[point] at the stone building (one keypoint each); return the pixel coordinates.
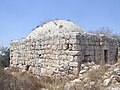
(59, 47)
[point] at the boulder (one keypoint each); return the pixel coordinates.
(92, 83)
(76, 81)
(73, 53)
(44, 89)
(117, 71)
(86, 68)
(69, 86)
(81, 77)
(117, 78)
(82, 71)
(106, 82)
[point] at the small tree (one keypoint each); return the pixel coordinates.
(117, 37)
(108, 32)
(4, 56)
(103, 30)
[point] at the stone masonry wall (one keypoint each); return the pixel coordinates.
(94, 47)
(62, 53)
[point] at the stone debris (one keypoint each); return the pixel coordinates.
(69, 86)
(92, 83)
(117, 78)
(44, 89)
(117, 71)
(82, 71)
(111, 82)
(76, 81)
(106, 82)
(59, 47)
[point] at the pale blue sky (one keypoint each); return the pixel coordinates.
(19, 17)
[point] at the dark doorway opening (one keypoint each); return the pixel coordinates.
(86, 58)
(106, 56)
(27, 67)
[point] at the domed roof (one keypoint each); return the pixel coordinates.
(55, 27)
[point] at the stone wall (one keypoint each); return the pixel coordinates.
(97, 48)
(62, 53)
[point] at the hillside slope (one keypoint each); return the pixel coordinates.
(91, 77)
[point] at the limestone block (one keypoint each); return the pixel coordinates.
(54, 47)
(73, 64)
(82, 71)
(76, 81)
(62, 41)
(39, 61)
(77, 58)
(70, 58)
(65, 46)
(67, 36)
(117, 78)
(75, 70)
(91, 52)
(61, 69)
(73, 53)
(117, 71)
(106, 82)
(57, 42)
(70, 46)
(63, 73)
(94, 38)
(91, 48)
(74, 41)
(39, 52)
(87, 52)
(59, 47)
(75, 35)
(86, 42)
(97, 43)
(91, 42)
(87, 48)
(63, 57)
(76, 47)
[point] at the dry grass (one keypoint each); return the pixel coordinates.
(55, 83)
(97, 74)
(93, 76)
(25, 82)
(12, 79)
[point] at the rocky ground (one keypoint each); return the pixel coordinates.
(96, 77)
(91, 77)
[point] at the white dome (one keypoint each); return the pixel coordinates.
(55, 27)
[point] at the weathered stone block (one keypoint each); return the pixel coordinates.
(73, 64)
(74, 41)
(76, 47)
(73, 53)
(70, 58)
(75, 35)
(77, 58)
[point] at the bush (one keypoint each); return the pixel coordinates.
(4, 56)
